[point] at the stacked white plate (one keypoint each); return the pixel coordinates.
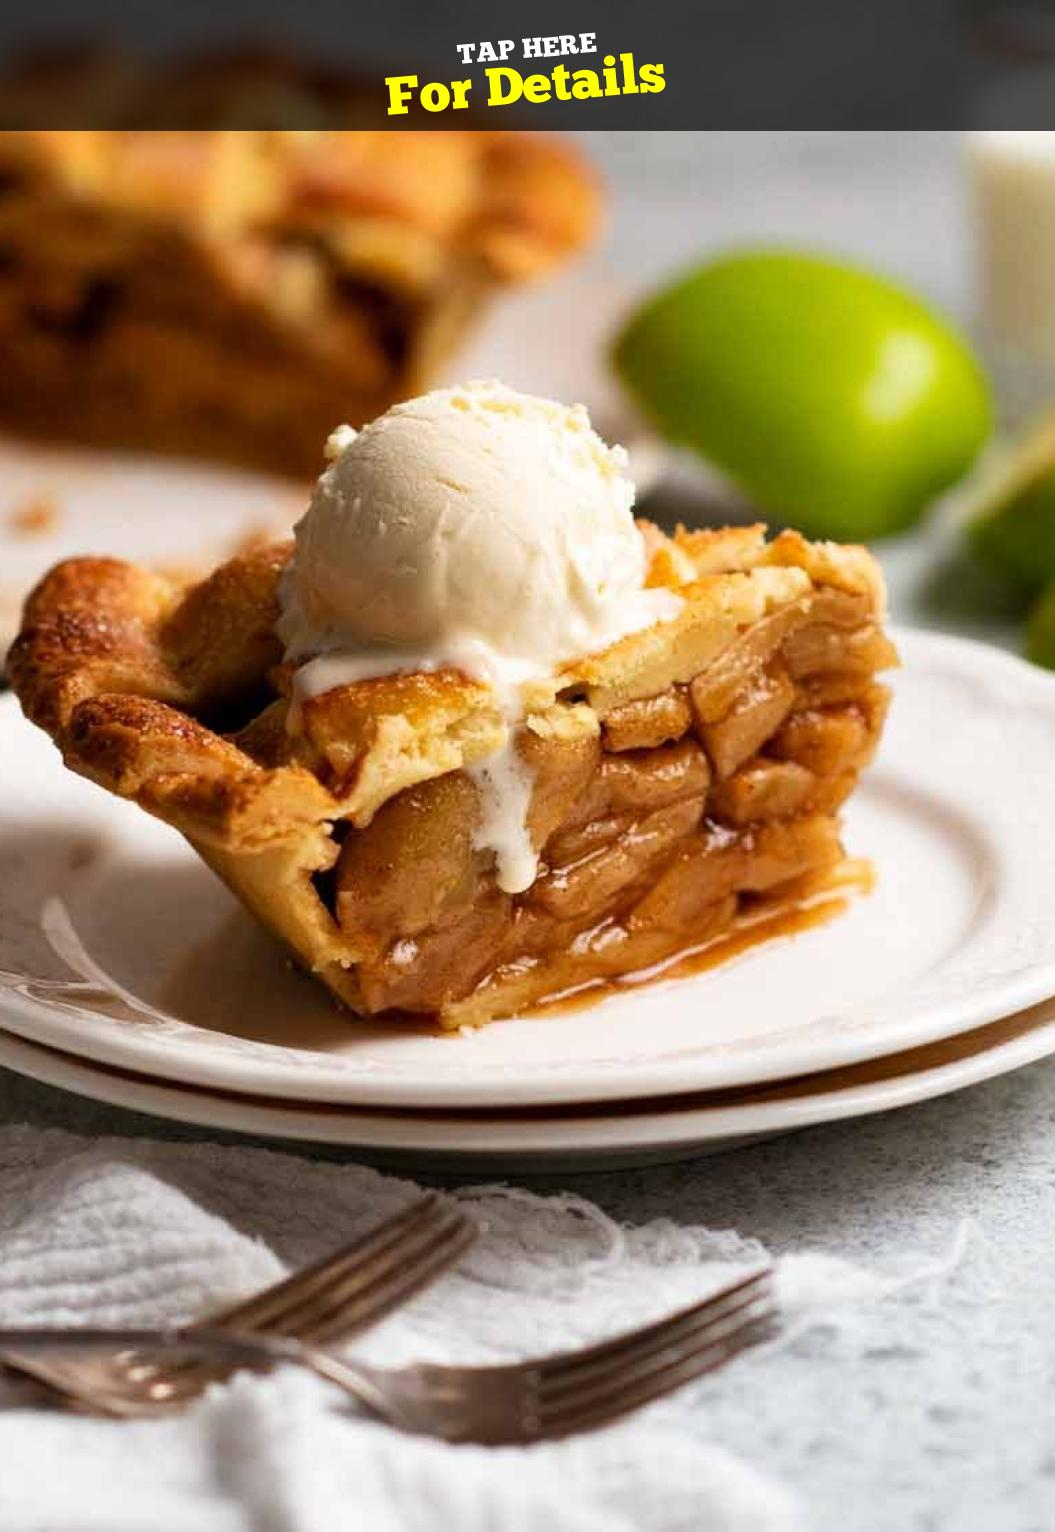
(128, 973)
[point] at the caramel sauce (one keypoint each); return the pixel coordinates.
(198, 990)
(802, 906)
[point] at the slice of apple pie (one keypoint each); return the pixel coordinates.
(669, 779)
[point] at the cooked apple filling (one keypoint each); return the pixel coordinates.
(679, 776)
(651, 832)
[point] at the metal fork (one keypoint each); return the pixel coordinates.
(331, 1300)
(525, 1402)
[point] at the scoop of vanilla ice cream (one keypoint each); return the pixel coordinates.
(474, 527)
(472, 515)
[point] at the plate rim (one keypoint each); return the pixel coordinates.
(682, 1130)
(35, 1021)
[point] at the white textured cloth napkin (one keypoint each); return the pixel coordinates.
(124, 1231)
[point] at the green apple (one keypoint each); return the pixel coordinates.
(1014, 527)
(836, 400)
(1040, 631)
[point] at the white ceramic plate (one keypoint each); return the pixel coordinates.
(116, 944)
(549, 1139)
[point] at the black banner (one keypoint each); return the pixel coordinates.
(577, 64)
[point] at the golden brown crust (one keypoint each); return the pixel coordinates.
(89, 627)
(377, 737)
(220, 636)
(716, 608)
(117, 664)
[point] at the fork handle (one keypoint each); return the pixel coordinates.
(49, 1340)
(42, 1341)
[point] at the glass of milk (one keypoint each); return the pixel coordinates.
(1013, 188)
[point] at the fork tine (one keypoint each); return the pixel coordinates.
(339, 1310)
(340, 1318)
(617, 1399)
(573, 1366)
(640, 1348)
(443, 1252)
(362, 1263)
(353, 1298)
(271, 1307)
(646, 1360)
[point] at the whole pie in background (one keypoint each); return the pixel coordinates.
(235, 293)
(331, 726)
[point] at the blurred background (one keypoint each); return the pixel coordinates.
(195, 299)
(898, 200)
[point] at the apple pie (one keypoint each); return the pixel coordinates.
(680, 776)
(234, 294)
